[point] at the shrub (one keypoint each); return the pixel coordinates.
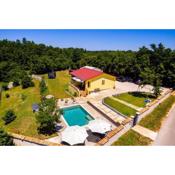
(57, 117)
(5, 87)
(61, 111)
(75, 94)
(26, 82)
(7, 95)
(43, 87)
(23, 97)
(9, 117)
(5, 139)
(16, 83)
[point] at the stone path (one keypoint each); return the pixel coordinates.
(145, 132)
(126, 103)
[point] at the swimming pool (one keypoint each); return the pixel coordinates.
(76, 115)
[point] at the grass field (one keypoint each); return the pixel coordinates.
(132, 138)
(135, 98)
(58, 85)
(120, 107)
(25, 123)
(154, 120)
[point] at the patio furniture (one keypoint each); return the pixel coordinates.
(66, 102)
(74, 135)
(73, 100)
(93, 137)
(99, 126)
(35, 107)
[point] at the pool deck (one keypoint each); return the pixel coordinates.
(82, 101)
(97, 100)
(93, 112)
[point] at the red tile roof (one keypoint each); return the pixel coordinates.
(86, 73)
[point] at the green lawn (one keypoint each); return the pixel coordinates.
(120, 107)
(154, 120)
(135, 98)
(132, 138)
(58, 85)
(25, 123)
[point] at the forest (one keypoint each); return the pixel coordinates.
(154, 65)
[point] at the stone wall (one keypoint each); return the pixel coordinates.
(21, 140)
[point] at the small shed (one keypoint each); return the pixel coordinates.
(52, 75)
(35, 107)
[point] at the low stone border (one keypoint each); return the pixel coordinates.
(32, 140)
(128, 120)
(102, 141)
(115, 131)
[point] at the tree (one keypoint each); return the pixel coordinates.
(26, 82)
(48, 106)
(5, 139)
(156, 88)
(9, 116)
(43, 87)
(156, 91)
(147, 76)
(24, 57)
(46, 123)
(47, 116)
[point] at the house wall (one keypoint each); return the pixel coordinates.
(97, 83)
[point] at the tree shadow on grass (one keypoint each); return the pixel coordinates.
(141, 94)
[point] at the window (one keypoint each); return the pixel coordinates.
(89, 84)
(103, 82)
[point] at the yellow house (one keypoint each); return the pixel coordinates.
(89, 79)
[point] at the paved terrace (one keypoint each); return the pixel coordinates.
(83, 102)
(96, 100)
(145, 132)
(110, 113)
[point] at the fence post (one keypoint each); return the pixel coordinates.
(136, 118)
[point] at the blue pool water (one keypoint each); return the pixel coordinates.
(76, 116)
